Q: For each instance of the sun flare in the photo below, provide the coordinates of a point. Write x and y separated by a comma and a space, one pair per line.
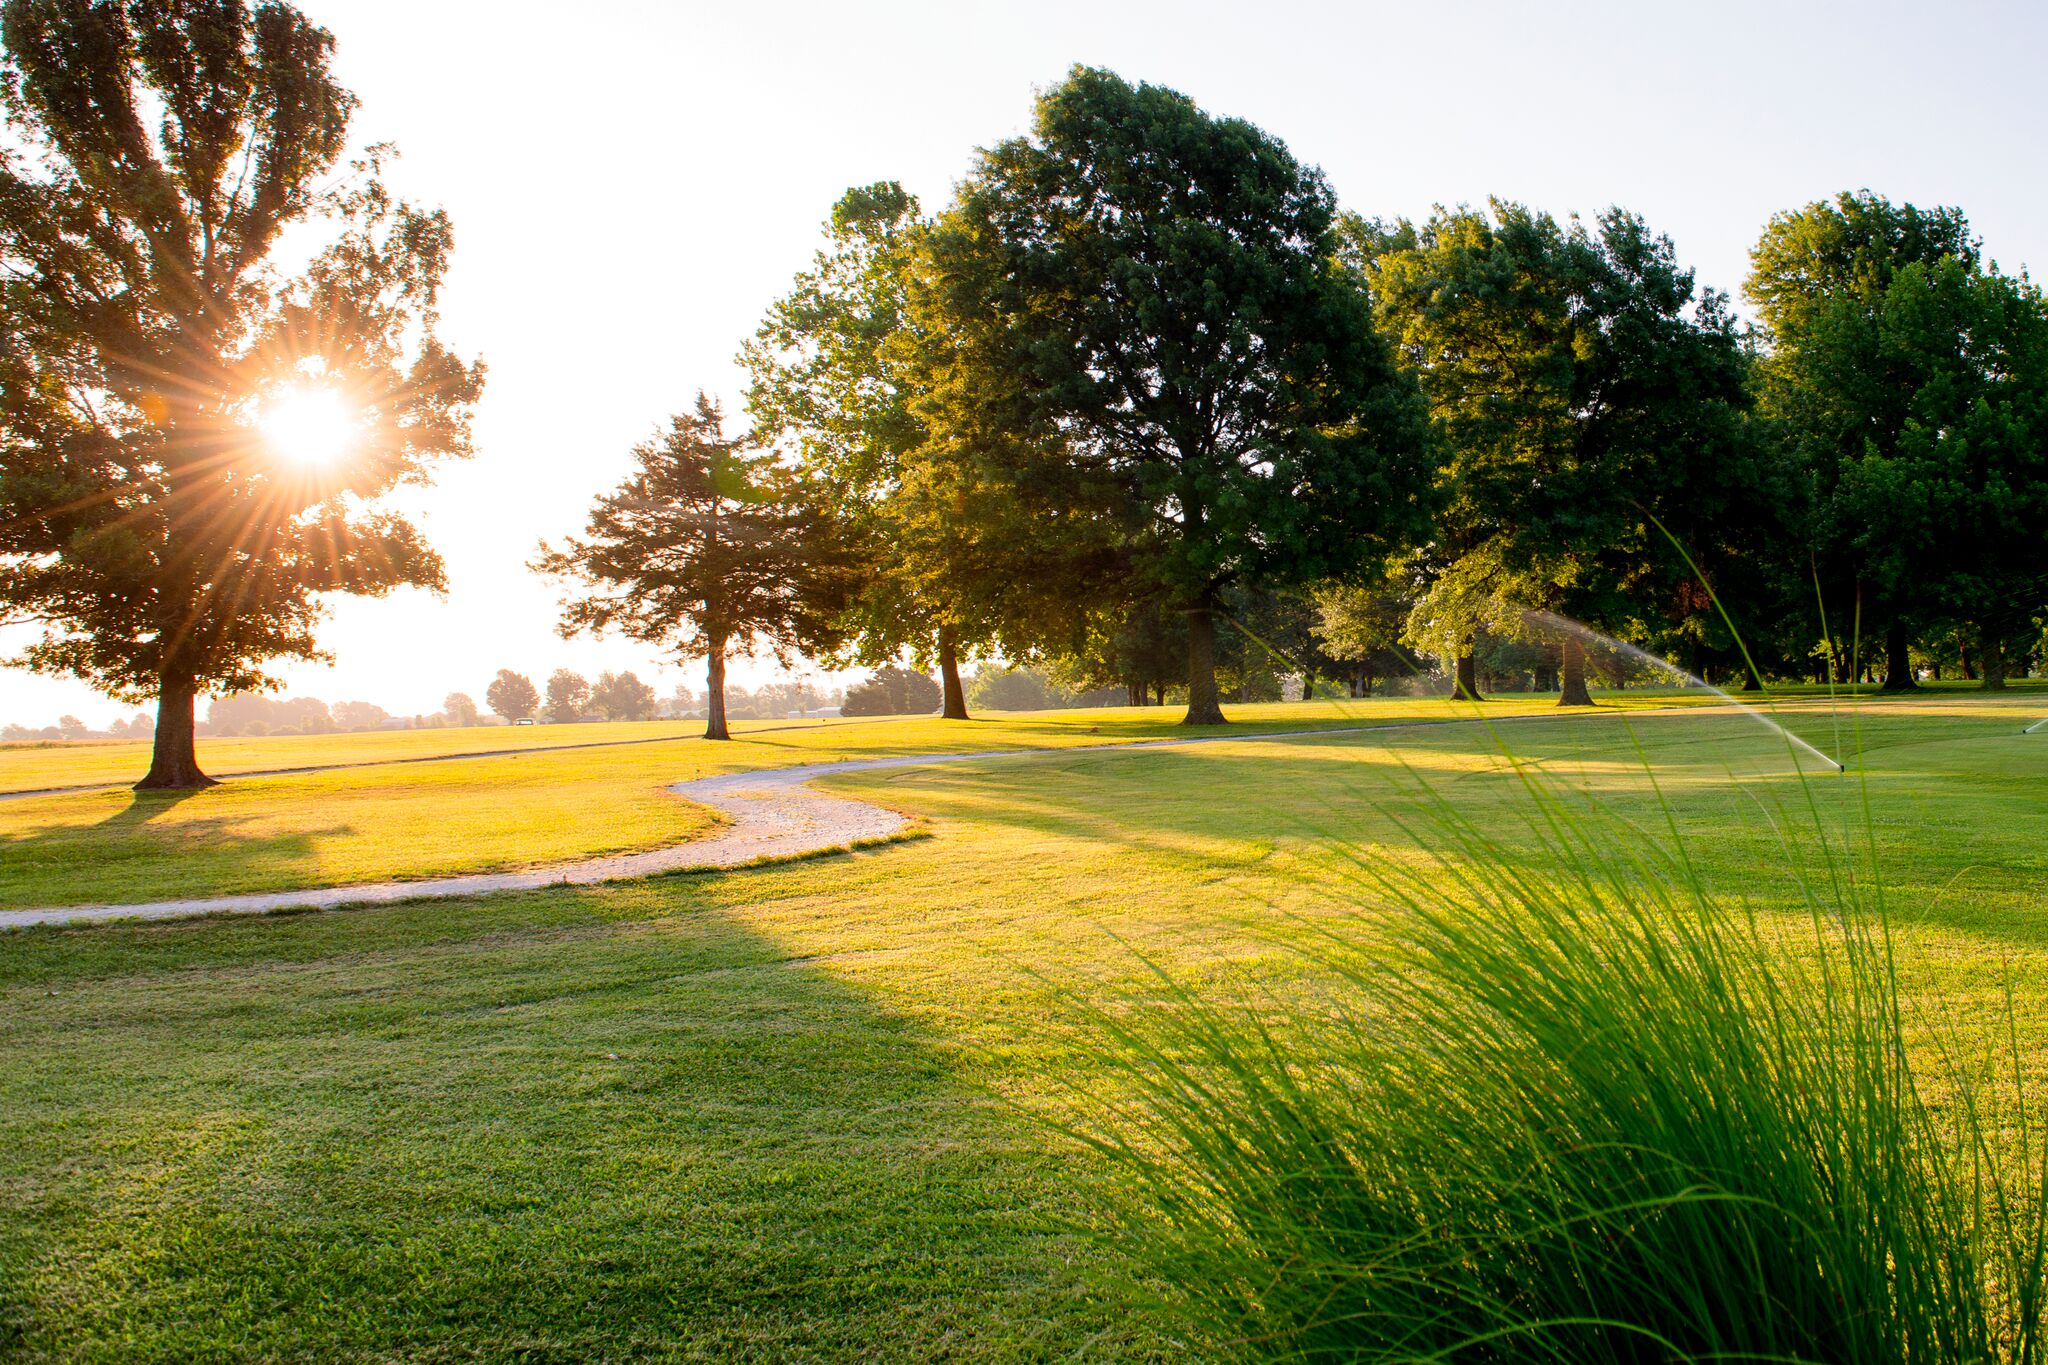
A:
308, 426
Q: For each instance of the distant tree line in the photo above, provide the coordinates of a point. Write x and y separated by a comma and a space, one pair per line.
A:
1142, 408
70, 730
510, 697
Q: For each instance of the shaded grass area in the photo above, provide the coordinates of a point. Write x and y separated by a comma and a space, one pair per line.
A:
800, 1112
408, 819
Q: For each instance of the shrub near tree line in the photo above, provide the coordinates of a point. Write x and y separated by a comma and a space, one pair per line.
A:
892, 691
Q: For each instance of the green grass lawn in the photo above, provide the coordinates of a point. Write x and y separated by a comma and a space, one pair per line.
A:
388, 814
802, 1111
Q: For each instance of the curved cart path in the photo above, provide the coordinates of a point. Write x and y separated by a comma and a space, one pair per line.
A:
775, 815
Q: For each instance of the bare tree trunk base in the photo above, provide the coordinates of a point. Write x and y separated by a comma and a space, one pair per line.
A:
955, 706
173, 755
1205, 706
1466, 688
714, 691
1898, 666
1571, 689
189, 781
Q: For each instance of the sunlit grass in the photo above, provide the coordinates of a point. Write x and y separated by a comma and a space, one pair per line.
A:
806, 1111
40, 765
1561, 1099
602, 792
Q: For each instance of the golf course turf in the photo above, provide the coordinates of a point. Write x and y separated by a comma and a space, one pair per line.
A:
811, 1109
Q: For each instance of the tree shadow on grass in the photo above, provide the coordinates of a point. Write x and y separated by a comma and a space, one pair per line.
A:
556, 1129
144, 807
1195, 802
1938, 803
134, 855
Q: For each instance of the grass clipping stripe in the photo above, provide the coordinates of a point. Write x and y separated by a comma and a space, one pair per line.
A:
1586, 1112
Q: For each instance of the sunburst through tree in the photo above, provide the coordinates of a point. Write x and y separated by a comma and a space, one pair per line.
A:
193, 443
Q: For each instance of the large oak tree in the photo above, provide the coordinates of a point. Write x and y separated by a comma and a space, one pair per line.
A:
1948, 509
828, 375
1847, 379
1586, 390
1142, 333
155, 151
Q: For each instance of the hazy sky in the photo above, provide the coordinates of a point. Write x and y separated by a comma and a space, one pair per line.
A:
632, 183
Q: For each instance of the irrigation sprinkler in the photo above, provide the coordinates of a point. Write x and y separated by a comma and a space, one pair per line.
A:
2035, 726
1553, 622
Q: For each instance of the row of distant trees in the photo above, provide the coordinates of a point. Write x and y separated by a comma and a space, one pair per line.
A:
1142, 399
1138, 377
70, 729
510, 697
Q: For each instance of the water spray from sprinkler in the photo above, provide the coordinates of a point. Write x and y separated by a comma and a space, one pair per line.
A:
2035, 726
1552, 621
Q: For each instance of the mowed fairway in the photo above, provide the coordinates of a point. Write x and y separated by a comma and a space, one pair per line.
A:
385, 812
802, 1111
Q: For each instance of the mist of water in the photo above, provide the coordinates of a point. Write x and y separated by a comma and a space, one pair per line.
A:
1545, 621
2035, 726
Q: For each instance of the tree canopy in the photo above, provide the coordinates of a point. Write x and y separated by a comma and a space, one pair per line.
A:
512, 695
1585, 390
1148, 336
828, 371
1885, 330
568, 697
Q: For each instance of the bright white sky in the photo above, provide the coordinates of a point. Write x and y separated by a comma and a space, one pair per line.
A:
632, 183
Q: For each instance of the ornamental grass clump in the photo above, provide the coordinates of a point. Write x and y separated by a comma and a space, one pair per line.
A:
1583, 1111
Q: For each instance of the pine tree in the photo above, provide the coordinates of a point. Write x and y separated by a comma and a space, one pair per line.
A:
708, 549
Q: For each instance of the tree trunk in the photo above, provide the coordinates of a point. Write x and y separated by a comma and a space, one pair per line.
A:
1204, 706
1159, 692
949, 675
1991, 648
714, 693
1750, 681
1572, 691
1963, 658
1898, 659
173, 759
1134, 694
1467, 686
